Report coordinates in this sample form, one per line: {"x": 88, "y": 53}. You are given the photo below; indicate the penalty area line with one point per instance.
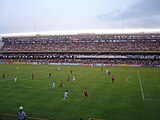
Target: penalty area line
{"x": 96, "y": 119}
{"x": 140, "y": 83}
{"x": 30, "y": 118}
{"x": 142, "y": 91}
{"x": 156, "y": 100}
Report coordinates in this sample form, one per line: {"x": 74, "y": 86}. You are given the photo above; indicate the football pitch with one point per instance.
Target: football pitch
{"x": 135, "y": 95}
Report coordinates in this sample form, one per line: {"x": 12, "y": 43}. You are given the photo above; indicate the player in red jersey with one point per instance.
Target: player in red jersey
{"x": 109, "y": 72}
{"x": 61, "y": 84}
{"x": 32, "y": 76}
{"x": 113, "y": 79}
{"x": 85, "y": 93}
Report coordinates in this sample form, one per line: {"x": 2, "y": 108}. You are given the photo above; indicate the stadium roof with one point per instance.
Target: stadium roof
{"x": 76, "y": 32}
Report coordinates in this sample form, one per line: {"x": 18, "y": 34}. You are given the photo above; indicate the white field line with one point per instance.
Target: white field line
{"x": 30, "y": 118}
{"x": 142, "y": 91}
{"x": 96, "y": 119}
{"x": 140, "y": 83}
{"x": 153, "y": 100}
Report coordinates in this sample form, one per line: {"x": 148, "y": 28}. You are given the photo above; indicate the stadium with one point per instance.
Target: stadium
{"x": 111, "y": 49}
{"x": 132, "y": 57}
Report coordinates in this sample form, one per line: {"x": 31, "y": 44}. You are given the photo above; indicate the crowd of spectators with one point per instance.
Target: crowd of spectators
{"x": 90, "y": 61}
{"x": 79, "y": 44}
{"x": 82, "y": 46}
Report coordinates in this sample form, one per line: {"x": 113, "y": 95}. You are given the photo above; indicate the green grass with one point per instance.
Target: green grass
{"x": 119, "y": 101}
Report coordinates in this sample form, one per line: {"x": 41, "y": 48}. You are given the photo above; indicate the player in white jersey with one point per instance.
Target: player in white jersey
{"x": 74, "y": 78}
{"x": 17, "y": 68}
{"x": 65, "y": 95}
{"x": 54, "y": 84}
{"x": 106, "y": 72}
{"x": 58, "y": 68}
{"x": 15, "y": 78}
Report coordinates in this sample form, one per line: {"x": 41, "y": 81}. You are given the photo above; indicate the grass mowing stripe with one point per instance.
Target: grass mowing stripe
{"x": 140, "y": 83}
{"x": 127, "y": 79}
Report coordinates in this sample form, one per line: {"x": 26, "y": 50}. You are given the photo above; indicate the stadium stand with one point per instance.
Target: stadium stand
{"x": 84, "y": 43}
{"x": 1, "y": 43}
{"x": 142, "y": 49}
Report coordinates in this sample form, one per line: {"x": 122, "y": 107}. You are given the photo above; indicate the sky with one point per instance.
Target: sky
{"x": 17, "y": 16}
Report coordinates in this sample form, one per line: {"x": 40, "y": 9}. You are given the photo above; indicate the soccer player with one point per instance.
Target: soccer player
{"x": 85, "y": 93}
{"x": 4, "y": 76}
{"x": 15, "y": 78}
{"x": 101, "y": 68}
{"x": 92, "y": 65}
{"x": 17, "y": 68}
{"x": 74, "y": 78}
{"x": 65, "y": 95}
{"x": 32, "y": 76}
{"x": 50, "y": 74}
{"x": 106, "y": 72}
{"x": 58, "y": 68}
{"x": 71, "y": 71}
{"x": 21, "y": 114}
{"x": 109, "y": 72}
{"x": 61, "y": 84}
{"x": 68, "y": 79}
{"x": 54, "y": 84}
{"x": 113, "y": 79}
